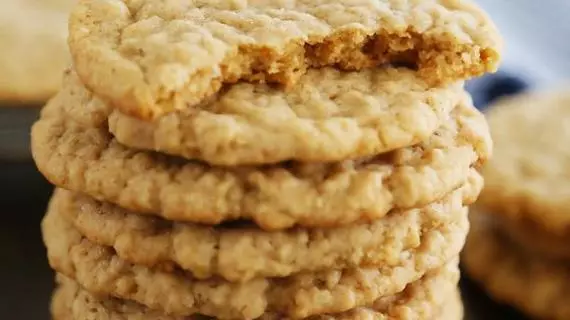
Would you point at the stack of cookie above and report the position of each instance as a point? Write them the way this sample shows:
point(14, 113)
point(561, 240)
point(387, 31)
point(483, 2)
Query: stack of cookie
point(518, 249)
point(277, 160)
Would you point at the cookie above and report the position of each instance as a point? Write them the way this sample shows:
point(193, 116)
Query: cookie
point(33, 49)
point(240, 253)
point(453, 310)
point(100, 271)
point(74, 150)
point(328, 115)
point(535, 239)
point(421, 300)
point(150, 57)
point(512, 275)
point(528, 177)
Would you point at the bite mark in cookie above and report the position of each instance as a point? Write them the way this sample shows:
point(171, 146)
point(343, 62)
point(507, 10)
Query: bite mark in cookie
point(153, 57)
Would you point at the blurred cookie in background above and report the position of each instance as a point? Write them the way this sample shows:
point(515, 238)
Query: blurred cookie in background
point(528, 177)
point(33, 54)
point(517, 249)
point(33, 51)
point(510, 274)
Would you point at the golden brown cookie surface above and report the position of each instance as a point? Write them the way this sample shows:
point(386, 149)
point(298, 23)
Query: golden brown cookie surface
point(74, 150)
point(423, 299)
point(152, 57)
point(99, 270)
point(328, 115)
point(243, 252)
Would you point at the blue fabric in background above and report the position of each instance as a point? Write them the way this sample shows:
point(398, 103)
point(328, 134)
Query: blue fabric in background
point(489, 88)
point(536, 49)
point(536, 38)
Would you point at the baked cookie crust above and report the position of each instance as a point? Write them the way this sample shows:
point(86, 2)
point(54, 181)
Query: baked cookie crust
point(240, 253)
point(73, 148)
point(100, 271)
point(328, 115)
point(152, 57)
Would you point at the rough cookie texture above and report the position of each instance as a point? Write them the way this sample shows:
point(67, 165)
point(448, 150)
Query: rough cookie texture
point(151, 57)
point(74, 150)
point(528, 176)
point(511, 275)
point(240, 253)
point(328, 115)
point(33, 49)
point(422, 299)
point(100, 271)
